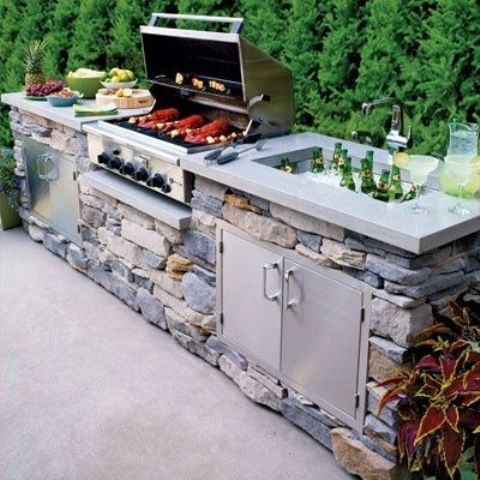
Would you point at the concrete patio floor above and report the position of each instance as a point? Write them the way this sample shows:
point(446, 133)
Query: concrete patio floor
point(89, 390)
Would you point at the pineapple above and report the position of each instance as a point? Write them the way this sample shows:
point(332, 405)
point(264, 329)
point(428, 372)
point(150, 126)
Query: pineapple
point(34, 63)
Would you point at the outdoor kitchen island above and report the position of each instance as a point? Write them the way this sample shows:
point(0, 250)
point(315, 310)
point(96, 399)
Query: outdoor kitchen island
point(305, 295)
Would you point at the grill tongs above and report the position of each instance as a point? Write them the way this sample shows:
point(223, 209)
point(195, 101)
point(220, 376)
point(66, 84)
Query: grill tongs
point(229, 152)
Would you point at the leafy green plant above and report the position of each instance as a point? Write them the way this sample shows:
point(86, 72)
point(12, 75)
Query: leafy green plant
point(9, 184)
point(439, 399)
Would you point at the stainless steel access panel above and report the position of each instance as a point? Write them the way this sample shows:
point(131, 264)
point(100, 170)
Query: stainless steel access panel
point(52, 188)
point(252, 298)
point(306, 325)
point(321, 333)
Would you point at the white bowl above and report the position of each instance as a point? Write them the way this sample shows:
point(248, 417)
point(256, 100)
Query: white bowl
point(119, 85)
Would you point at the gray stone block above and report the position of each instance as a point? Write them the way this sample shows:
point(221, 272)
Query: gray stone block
point(399, 300)
point(376, 447)
point(121, 271)
point(94, 217)
point(197, 204)
point(154, 261)
point(176, 322)
point(210, 188)
point(375, 425)
point(396, 273)
point(372, 244)
point(471, 264)
point(236, 358)
point(354, 242)
point(318, 430)
point(207, 200)
point(365, 276)
point(76, 257)
point(434, 258)
point(313, 411)
point(432, 285)
point(205, 275)
point(201, 246)
point(199, 296)
point(388, 414)
point(55, 244)
point(390, 349)
point(401, 325)
point(198, 348)
point(343, 255)
point(310, 240)
point(151, 308)
point(112, 284)
point(88, 236)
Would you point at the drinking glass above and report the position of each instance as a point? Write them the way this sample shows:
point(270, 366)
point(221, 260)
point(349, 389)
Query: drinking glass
point(420, 167)
point(463, 173)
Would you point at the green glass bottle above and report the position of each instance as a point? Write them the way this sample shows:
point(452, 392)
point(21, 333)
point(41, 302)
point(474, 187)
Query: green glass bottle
point(395, 191)
point(318, 165)
point(347, 180)
point(341, 161)
point(337, 153)
point(370, 164)
point(410, 195)
point(366, 173)
point(381, 193)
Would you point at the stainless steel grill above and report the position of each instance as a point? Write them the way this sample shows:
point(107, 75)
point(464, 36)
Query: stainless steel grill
point(217, 75)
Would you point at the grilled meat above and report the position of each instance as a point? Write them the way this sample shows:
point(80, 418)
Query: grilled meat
point(213, 129)
point(217, 86)
point(177, 127)
point(197, 83)
point(158, 116)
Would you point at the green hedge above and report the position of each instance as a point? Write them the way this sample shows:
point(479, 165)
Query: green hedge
point(341, 52)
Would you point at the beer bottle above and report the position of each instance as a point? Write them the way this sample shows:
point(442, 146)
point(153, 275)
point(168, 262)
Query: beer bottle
point(370, 164)
point(289, 167)
point(395, 190)
point(317, 160)
point(410, 195)
point(337, 153)
point(347, 180)
point(366, 174)
point(381, 193)
point(341, 161)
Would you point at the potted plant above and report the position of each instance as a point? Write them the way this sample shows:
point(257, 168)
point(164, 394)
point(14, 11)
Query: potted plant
point(9, 191)
point(439, 400)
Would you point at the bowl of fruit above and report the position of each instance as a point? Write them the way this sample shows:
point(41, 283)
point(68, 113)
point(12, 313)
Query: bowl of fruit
point(86, 81)
point(64, 98)
point(119, 78)
point(42, 90)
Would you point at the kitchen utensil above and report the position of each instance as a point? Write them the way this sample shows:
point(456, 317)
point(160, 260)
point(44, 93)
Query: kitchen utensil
point(252, 138)
point(230, 154)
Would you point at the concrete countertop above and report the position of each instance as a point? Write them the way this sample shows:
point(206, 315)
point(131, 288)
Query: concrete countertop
point(392, 223)
point(62, 115)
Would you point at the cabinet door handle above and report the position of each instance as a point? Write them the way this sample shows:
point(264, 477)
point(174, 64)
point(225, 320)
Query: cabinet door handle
point(288, 274)
point(274, 296)
point(52, 173)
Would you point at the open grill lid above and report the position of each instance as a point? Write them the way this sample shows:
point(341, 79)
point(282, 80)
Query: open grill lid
point(256, 85)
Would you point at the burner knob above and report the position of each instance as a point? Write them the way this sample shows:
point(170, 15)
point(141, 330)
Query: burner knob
point(115, 163)
point(156, 181)
point(127, 169)
point(140, 174)
point(103, 158)
point(166, 188)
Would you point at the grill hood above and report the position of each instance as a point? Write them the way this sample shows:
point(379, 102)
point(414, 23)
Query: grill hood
point(257, 86)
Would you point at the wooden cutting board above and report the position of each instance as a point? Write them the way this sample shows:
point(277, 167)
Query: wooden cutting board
point(139, 99)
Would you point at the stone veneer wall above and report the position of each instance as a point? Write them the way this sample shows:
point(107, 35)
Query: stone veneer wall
point(169, 277)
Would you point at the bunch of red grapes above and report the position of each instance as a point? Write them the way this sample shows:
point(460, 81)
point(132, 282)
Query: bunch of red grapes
point(44, 89)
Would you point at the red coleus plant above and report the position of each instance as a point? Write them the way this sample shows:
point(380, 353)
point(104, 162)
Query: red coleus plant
point(439, 399)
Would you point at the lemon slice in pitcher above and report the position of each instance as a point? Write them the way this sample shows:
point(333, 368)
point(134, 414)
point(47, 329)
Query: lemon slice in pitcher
point(401, 159)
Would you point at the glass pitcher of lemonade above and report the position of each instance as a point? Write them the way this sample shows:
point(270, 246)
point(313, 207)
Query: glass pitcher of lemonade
point(462, 148)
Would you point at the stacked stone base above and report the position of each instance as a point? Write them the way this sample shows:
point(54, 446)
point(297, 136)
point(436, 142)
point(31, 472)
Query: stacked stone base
point(169, 277)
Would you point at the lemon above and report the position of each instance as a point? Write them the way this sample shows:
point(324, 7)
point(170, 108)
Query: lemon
point(116, 79)
point(127, 92)
point(119, 93)
point(401, 159)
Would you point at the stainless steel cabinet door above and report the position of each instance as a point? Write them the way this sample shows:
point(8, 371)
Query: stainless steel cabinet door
point(64, 195)
point(35, 155)
point(251, 298)
point(321, 338)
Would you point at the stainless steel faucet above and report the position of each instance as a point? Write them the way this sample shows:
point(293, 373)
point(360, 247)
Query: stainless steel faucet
point(395, 140)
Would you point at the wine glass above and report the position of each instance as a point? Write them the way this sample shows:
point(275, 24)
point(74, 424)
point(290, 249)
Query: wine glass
point(463, 173)
point(420, 167)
